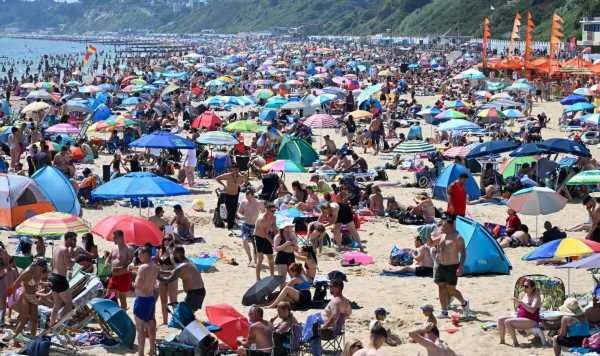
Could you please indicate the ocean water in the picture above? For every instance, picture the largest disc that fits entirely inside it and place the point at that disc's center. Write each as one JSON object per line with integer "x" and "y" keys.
{"x": 14, "y": 50}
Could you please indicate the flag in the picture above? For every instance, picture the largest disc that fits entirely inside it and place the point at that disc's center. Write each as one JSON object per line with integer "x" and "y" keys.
{"x": 86, "y": 58}
{"x": 556, "y": 37}
{"x": 514, "y": 36}
{"x": 529, "y": 38}
{"x": 91, "y": 50}
{"x": 486, "y": 39}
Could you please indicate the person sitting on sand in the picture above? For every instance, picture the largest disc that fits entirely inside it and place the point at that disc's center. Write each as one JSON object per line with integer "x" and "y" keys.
{"x": 296, "y": 291}
{"x": 552, "y": 233}
{"x": 343, "y": 164}
{"x": 283, "y": 324}
{"x": 185, "y": 229}
{"x": 376, "y": 341}
{"x": 422, "y": 261}
{"x": 424, "y": 207}
{"x": 520, "y": 237}
{"x": 380, "y": 315}
{"x": 376, "y": 202}
{"x": 513, "y": 223}
{"x": 320, "y": 185}
{"x": 260, "y": 335}
{"x": 574, "y": 327}
{"x": 308, "y": 255}
{"x": 528, "y": 313}
{"x": 431, "y": 341}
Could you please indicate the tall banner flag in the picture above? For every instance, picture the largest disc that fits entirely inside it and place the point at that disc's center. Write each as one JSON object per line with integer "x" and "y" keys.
{"x": 529, "y": 38}
{"x": 486, "y": 40}
{"x": 556, "y": 37}
{"x": 514, "y": 36}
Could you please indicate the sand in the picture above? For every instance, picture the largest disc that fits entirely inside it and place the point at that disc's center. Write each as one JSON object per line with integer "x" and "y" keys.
{"x": 490, "y": 296}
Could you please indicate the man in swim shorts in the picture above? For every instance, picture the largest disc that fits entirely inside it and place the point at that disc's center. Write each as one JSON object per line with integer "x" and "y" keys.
{"x": 263, "y": 238}
{"x": 145, "y": 300}
{"x": 248, "y": 211}
{"x": 62, "y": 260}
{"x": 193, "y": 285}
{"x": 120, "y": 258}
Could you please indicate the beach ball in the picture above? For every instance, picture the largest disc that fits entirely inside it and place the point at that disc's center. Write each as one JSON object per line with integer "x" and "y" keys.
{"x": 198, "y": 204}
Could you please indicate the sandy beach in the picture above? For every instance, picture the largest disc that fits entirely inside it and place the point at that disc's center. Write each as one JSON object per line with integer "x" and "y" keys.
{"x": 490, "y": 296}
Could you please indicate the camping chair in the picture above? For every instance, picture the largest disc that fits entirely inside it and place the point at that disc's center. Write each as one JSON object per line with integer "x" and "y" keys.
{"x": 23, "y": 262}
{"x": 334, "y": 342}
{"x": 289, "y": 343}
{"x": 103, "y": 270}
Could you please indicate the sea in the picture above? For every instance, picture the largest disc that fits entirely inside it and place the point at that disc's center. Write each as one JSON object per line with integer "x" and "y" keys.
{"x": 17, "y": 50}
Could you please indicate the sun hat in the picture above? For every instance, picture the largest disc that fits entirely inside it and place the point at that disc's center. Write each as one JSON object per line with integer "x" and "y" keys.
{"x": 571, "y": 307}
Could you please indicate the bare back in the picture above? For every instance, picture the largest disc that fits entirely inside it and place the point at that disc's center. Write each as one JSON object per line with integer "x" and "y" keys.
{"x": 190, "y": 276}
{"x": 61, "y": 260}
{"x": 145, "y": 282}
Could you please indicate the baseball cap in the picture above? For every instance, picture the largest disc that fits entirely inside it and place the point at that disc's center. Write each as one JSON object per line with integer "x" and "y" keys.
{"x": 381, "y": 311}
{"x": 426, "y": 307}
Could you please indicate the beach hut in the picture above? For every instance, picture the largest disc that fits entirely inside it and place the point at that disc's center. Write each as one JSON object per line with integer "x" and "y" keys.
{"x": 58, "y": 189}
{"x": 449, "y": 175}
{"x": 297, "y": 150}
{"x": 484, "y": 254}
{"x": 20, "y": 199}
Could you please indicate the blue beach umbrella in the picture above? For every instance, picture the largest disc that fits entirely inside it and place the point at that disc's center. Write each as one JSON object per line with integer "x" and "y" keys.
{"x": 573, "y": 99}
{"x": 162, "y": 139}
{"x": 528, "y": 149}
{"x": 139, "y": 185}
{"x": 492, "y": 147}
{"x": 563, "y": 145}
{"x": 580, "y": 107}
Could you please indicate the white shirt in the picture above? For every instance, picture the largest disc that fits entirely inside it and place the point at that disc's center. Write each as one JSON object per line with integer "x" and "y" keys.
{"x": 190, "y": 158}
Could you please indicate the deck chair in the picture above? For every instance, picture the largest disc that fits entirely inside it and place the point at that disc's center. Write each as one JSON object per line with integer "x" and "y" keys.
{"x": 333, "y": 343}
{"x": 289, "y": 343}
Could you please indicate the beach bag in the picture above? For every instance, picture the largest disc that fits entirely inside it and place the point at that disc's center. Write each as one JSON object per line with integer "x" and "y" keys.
{"x": 401, "y": 257}
{"x": 223, "y": 211}
{"x": 39, "y": 346}
{"x": 592, "y": 342}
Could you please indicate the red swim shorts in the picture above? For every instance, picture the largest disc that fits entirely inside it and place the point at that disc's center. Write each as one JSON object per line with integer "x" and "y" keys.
{"x": 122, "y": 282}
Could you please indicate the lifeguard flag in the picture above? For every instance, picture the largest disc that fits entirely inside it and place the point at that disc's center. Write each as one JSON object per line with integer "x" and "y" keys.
{"x": 91, "y": 50}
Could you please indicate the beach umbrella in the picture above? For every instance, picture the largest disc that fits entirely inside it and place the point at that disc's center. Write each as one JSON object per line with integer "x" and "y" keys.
{"x": 573, "y": 99}
{"x": 503, "y": 96}
{"x": 283, "y": 165}
{"x": 258, "y": 294}
{"x": 39, "y": 95}
{"x": 46, "y": 85}
{"x": 162, "y": 139}
{"x": 242, "y": 126}
{"x": 169, "y": 89}
{"x": 459, "y": 151}
{"x": 267, "y": 115}
{"x": 218, "y": 138}
{"x": 457, "y": 125}
{"x": 593, "y": 119}
{"x": 137, "y": 230}
{"x": 28, "y": 86}
{"x": 453, "y": 104}
{"x": 35, "y": 106}
{"x": 360, "y": 114}
{"x": 233, "y": 324}
{"x": 67, "y": 129}
{"x": 513, "y": 114}
{"x": 208, "y": 120}
{"x": 583, "y": 92}
{"x": 263, "y": 94}
{"x": 78, "y": 105}
{"x": 367, "y": 93}
{"x": 138, "y": 81}
{"x": 528, "y": 149}
{"x": 429, "y": 111}
{"x": 214, "y": 101}
{"x": 116, "y": 319}
{"x": 492, "y": 147}
{"x": 52, "y": 224}
{"x": 112, "y": 123}
{"x": 276, "y": 102}
{"x": 139, "y": 185}
{"x": 385, "y": 73}
{"x": 536, "y": 201}
{"x": 585, "y": 178}
{"x": 483, "y": 94}
{"x": 519, "y": 86}
{"x": 132, "y": 101}
{"x": 450, "y": 114}
{"x": 470, "y": 74}
{"x": 414, "y": 146}
{"x": 293, "y": 105}
{"x": 589, "y": 262}
{"x": 563, "y": 145}
{"x": 580, "y": 107}
{"x": 323, "y": 99}
{"x": 563, "y": 248}
{"x": 491, "y": 113}
{"x": 215, "y": 83}
{"x": 320, "y": 121}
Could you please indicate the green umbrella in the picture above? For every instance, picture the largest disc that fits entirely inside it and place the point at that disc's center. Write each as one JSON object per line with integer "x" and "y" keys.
{"x": 512, "y": 167}
{"x": 242, "y": 126}
{"x": 276, "y": 102}
{"x": 585, "y": 178}
{"x": 138, "y": 81}
{"x": 263, "y": 93}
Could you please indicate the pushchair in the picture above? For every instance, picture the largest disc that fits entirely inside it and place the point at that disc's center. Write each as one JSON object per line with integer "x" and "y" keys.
{"x": 270, "y": 186}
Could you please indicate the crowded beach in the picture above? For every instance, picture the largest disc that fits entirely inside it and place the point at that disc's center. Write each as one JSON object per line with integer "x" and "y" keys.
{"x": 314, "y": 197}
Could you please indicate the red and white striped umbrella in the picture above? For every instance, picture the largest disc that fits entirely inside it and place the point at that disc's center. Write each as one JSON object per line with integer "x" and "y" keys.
{"x": 320, "y": 121}
{"x": 459, "y": 151}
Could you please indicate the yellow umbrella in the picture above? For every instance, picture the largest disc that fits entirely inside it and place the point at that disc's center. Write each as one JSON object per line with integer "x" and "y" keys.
{"x": 225, "y": 78}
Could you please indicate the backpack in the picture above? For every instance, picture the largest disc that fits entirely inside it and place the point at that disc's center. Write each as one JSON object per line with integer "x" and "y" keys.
{"x": 401, "y": 257}
{"x": 39, "y": 346}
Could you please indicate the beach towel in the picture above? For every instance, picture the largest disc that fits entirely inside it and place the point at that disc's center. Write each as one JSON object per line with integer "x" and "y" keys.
{"x": 203, "y": 264}
{"x": 397, "y": 274}
{"x": 354, "y": 258}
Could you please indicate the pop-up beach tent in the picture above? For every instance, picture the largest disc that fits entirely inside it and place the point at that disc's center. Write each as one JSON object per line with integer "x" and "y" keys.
{"x": 58, "y": 189}
{"x": 449, "y": 175}
{"x": 20, "y": 199}
{"x": 297, "y": 150}
{"x": 484, "y": 254}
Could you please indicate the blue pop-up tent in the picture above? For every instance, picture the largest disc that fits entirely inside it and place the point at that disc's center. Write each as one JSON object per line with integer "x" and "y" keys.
{"x": 58, "y": 189}
{"x": 484, "y": 254}
{"x": 449, "y": 175}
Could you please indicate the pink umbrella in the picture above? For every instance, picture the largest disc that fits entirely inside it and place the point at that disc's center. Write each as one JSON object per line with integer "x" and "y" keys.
{"x": 340, "y": 80}
{"x": 320, "y": 121}
{"x": 63, "y": 129}
{"x": 459, "y": 151}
